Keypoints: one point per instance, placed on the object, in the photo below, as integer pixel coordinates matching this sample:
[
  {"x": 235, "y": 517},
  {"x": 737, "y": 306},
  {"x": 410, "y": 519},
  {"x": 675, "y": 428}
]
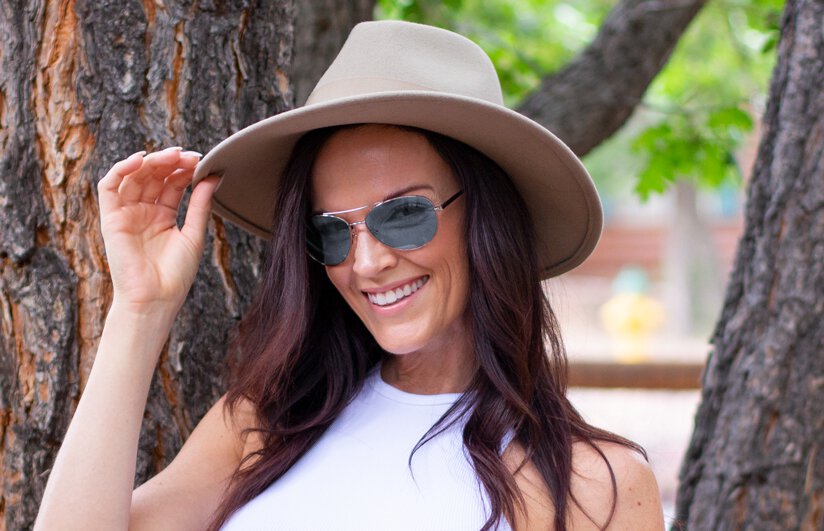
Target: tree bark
[
  {"x": 756, "y": 459},
  {"x": 321, "y": 27},
  {"x": 83, "y": 84},
  {"x": 590, "y": 98}
]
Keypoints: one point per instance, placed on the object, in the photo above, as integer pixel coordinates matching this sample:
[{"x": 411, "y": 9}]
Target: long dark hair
[{"x": 299, "y": 361}]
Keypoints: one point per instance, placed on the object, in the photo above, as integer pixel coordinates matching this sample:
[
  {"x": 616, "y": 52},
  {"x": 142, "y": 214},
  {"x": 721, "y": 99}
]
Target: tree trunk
[
  {"x": 83, "y": 84},
  {"x": 589, "y": 99},
  {"x": 321, "y": 27},
  {"x": 756, "y": 459}
]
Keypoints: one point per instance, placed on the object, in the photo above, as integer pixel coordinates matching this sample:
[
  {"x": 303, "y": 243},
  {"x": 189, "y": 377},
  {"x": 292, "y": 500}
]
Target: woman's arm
[
  {"x": 186, "y": 493},
  {"x": 90, "y": 484},
  {"x": 153, "y": 264}
]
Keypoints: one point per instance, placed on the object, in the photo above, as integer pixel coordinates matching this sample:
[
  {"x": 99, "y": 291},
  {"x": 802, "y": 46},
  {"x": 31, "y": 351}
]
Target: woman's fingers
[
  {"x": 197, "y": 215},
  {"x": 159, "y": 177},
  {"x": 157, "y": 164},
  {"x": 107, "y": 187},
  {"x": 173, "y": 188}
]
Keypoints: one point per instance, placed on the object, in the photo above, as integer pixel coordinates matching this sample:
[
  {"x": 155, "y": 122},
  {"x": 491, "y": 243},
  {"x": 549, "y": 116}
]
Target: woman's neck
[{"x": 428, "y": 372}]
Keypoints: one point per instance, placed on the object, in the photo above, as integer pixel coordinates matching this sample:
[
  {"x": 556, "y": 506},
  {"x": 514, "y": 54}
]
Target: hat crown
[{"x": 391, "y": 56}]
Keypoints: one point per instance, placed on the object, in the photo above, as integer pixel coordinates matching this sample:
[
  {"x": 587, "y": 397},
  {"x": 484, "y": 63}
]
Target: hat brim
[{"x": 555, "y": 186}]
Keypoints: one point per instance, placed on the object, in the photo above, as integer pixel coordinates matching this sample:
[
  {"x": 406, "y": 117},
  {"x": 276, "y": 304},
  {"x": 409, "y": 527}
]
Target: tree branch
[{"x": 591, "y": 97}]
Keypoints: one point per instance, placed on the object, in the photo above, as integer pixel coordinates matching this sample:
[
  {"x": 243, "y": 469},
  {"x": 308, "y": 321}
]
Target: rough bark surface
[
  {"x": 590, "y": 98},
  {"x": 82, "y": 84},
  {"x": 321, "y": 27},
  {"x": 756, "y": 459}
]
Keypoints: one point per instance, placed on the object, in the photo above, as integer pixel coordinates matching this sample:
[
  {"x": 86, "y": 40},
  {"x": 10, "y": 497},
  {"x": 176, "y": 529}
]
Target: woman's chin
[
  {"x": 394, "y": 335},
  {"x": 398, "y": 348}
]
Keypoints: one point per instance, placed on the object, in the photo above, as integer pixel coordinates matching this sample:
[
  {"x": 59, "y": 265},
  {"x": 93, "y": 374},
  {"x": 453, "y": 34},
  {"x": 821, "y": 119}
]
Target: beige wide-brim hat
[{"x": 393, "y": 72}]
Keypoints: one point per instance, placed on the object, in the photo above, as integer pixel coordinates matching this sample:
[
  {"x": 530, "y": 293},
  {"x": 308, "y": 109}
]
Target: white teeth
[{"x": 391, "y": 296}]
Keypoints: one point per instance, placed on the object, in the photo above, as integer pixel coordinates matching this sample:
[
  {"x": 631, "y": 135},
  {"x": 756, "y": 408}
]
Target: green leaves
[
  {"x": 699, "y": 145},
  {"x": 699, "y": 110},
  {"x": 729, "y": 119}
]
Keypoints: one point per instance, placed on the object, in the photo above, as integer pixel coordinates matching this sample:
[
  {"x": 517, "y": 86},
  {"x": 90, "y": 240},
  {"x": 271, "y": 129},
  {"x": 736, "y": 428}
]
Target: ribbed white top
[{"x": 356, "y": 477}]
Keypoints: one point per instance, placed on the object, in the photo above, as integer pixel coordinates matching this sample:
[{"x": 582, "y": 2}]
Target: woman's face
[{"x": 362, "y": 166}]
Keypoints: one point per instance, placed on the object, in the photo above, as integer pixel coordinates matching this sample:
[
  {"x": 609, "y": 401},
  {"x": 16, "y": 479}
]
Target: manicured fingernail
[
  {"x": 141, "y": 153},
  {"x": 178, "y": 148},
  {"x": 195, "y": 153}
]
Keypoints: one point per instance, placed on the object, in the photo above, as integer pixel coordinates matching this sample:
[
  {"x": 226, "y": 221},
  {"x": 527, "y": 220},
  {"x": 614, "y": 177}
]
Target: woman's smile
[{"x": 393, "y": 295}]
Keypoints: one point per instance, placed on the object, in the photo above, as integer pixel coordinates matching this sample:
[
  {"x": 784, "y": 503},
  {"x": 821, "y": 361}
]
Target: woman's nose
[{"x": 371, "y": 256}]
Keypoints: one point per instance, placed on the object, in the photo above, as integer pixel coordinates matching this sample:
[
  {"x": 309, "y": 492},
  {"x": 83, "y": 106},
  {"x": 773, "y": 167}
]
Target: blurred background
[{"x": 638, "y": 315}]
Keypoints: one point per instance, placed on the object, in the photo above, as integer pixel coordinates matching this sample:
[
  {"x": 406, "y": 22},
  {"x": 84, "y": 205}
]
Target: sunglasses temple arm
[{"x": 451, "y": 199}]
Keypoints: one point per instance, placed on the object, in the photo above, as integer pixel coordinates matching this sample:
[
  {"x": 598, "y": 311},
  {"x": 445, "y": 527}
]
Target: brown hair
[{"x": 300, "y": 354}]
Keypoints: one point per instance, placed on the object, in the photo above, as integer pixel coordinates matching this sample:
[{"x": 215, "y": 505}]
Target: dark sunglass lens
[
  {"x": 327, "y": 238},
  {"x": 404, "y": 223}
]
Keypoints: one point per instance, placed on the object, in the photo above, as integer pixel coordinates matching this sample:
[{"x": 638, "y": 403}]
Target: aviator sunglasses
[{"x": 403, "y": 223}]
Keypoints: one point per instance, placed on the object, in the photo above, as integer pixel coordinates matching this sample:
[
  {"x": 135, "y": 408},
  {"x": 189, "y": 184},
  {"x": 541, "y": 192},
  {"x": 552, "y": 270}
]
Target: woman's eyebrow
[{"x": 407, "y": 189}]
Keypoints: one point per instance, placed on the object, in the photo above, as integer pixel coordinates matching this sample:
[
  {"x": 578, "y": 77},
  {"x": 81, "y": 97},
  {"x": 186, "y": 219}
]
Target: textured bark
[
  {"x": 321, "y": 27},
  {"x": 83, "y": 84},
  {"x": 590, "y": 98},
  {"x": 756, "y": 459}
]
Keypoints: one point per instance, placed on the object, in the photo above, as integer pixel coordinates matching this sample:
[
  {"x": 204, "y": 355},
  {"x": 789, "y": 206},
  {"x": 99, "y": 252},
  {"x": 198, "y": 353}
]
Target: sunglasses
[{"x": 403, "y": 223}]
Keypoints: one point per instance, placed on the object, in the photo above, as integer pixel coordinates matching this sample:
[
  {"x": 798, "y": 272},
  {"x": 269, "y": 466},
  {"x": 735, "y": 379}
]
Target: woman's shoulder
[{"x": 638, "y": 504}]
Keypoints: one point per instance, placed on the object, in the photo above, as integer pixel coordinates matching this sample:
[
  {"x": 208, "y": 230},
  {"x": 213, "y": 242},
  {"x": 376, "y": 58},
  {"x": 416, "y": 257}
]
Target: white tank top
[{"x": 356, "y": 476}]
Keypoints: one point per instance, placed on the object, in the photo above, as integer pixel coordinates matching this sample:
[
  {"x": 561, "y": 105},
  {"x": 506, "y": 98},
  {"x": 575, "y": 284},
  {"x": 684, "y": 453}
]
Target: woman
[{"x": 394, "y": 371}]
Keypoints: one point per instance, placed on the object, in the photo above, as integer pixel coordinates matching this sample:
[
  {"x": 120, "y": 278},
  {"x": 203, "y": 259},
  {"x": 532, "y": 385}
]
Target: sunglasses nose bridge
[
  {"x": 369, "y": 255},
  {"x": 353, "y": 236},
  {"x": 352, "y": 226}
]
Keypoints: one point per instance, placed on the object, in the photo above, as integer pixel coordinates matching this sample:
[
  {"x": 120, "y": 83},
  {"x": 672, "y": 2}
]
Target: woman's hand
[{"x": 151, "y": 261}]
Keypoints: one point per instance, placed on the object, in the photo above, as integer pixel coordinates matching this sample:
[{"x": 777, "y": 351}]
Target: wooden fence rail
[{"x": 657, "y": 375}]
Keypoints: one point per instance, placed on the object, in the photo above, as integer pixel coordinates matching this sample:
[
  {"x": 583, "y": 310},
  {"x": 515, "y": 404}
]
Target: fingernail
[
  {"x": 141, "y": 153},
  {"x": 178, "y": 148},
  {"x": 195, "y": 153}
]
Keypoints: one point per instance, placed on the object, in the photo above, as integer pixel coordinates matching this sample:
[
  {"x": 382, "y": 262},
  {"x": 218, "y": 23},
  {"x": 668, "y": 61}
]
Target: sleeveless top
[{"x": 357, "y": 476}]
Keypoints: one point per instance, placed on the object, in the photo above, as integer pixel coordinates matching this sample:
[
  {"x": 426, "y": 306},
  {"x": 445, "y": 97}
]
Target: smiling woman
[
  {"x": 456, "y": 375},
  {"x": 370, "y": 164},
  {"x": 400, "y": 367}
]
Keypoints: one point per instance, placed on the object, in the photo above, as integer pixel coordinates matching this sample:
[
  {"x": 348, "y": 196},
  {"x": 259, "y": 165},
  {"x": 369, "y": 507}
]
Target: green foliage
[
  {"x": 679, "y": 147},
  {"x": 696, "y": 114},
  {"x": 700, "y": 108}
]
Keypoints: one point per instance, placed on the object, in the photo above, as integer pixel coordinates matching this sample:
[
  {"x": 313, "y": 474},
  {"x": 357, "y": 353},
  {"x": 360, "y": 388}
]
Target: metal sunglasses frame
[{"x": 435, "y": 208}]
